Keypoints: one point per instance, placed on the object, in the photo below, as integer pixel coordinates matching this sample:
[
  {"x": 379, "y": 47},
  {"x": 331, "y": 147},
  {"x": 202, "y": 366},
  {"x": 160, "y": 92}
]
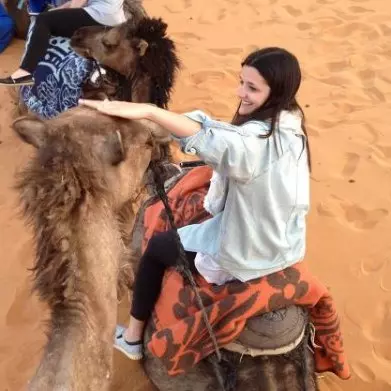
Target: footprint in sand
[
  {"x": 222, "y": 14},
  {"x": 354, "y": 313},
  {"x": 336, "y": 81},
  {"x": 367, "y": 76},
  {"x": 372, "y": 265},
  {"x": 323, "y": 209},
  {"x": 187, "y": 36},
  {"x": 187, "y": 3},
  {"x": 374, "y": 94},
  {"x": 208, "y": 76},
  {"x": 385, "y": 280},
  {"x": 377, "y": 264},
  {"x": 303, "y": 26},
  {"x": 352, "y": 214},
  {"x": 226, "y": 51},
  {"x": 378, "y": 329},
  {"x": 375, "y": 323},
  {"x": 363, "y": 371},
  {"x": 363, "y": 219},
  {"x": 350, "y": 167},
  {"x": 172, "y": 10},
  {"x": 386, "y": 30},
  {"x": 338, "y": 66},
  {"x": 382, "y": 351},
  {"x": 359, "y": 10},
  {"x": 324, "y": 124},
  {"x": 325, "y": 1},
  {"x": 295, "y": 12},
  {"x": 176, "y": 8},
  {"x": 326, "y": 22},
  {"x": 345, "y": 16},
  {"x": 374, "y": 133},
  {"x": 385, "y": 150},
  {"x": 350, "y": 29},
  {"x": 312, "y": 131},
  {"x": 384, "y": 75}
]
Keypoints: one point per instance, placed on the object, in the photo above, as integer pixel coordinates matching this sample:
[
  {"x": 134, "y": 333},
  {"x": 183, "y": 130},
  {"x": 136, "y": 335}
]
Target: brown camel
[
  {"x": 86, "y": 167},
  {"x": 128, "y": 54}
]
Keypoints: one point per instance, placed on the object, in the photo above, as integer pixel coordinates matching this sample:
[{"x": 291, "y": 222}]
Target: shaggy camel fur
[
  {"x": 86, "y": 167},
  {"x": 139, "y": 60}
]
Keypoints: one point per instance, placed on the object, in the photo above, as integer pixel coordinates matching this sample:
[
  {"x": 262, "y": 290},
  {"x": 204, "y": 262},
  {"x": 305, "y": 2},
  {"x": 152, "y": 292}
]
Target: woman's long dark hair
[{"x": 281, "y": 71}]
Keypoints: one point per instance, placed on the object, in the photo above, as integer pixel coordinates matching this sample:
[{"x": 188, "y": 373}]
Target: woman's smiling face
[{"x": 253, "y": 90}]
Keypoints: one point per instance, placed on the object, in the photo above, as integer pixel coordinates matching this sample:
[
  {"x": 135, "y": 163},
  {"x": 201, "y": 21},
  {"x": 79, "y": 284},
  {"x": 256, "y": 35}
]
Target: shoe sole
[
  {"x": 17, "y": 84},
  {"x": 134, "y": 357}
]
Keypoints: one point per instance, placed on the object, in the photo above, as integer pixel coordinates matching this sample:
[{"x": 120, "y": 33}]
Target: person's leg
[
  {"x": 63, "y": 23},
  {"x": 162, "y": 252}
]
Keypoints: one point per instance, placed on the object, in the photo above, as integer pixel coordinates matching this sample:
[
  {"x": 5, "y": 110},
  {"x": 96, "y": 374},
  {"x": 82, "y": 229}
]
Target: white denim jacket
[{"x": 262, "y": 228}]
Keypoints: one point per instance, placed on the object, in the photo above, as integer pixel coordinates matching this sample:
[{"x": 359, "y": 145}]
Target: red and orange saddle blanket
[{"x": 182, "y": 340}]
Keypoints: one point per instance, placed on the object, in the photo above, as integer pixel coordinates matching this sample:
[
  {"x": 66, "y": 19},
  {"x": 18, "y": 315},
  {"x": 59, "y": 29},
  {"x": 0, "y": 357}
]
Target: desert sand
[{"x": 344, "y": 49}]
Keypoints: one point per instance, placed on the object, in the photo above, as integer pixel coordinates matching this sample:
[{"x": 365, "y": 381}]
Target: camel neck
[{"x": 82, "y": 351}]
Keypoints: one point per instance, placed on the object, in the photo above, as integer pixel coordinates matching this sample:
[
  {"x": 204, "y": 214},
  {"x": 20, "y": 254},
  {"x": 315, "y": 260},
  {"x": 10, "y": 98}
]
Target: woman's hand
[
  {"x": 177, "y": 124},
  {"x": 126, "y": 110}
]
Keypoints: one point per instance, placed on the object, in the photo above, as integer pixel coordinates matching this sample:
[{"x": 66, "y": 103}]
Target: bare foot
[{"x": 20, "y": 73}]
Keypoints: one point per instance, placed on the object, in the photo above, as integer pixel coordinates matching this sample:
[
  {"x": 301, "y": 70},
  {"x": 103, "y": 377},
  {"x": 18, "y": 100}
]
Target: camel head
[
  {"x": 137, "y": 51},
  {"x": 84, "y": 163}
]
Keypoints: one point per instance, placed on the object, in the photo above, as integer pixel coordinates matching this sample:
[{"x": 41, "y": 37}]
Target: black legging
[
  {"x": 161, "y": 252},
  {"x": 61, "y": 23}
]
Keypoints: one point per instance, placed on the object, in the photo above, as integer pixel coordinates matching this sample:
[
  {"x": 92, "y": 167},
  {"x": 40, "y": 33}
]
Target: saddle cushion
[{"x": 274, "y": 330}]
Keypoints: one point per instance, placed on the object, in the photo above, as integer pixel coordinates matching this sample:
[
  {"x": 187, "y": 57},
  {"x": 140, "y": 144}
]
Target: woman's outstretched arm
[{"x": 179, "y": 125}]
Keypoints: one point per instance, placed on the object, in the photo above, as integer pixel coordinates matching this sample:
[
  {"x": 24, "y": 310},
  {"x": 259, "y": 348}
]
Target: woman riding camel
[
  {"x": 259, "y": 193},
  {"x": 63, "y": 22}
]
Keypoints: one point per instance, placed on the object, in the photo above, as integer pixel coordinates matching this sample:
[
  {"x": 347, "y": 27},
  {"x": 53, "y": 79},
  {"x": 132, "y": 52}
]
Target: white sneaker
[{"x": 132, "y": 350}]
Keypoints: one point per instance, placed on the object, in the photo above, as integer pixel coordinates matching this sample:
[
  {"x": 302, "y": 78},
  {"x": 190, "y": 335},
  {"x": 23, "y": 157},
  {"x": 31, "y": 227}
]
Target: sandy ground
[{"x": 344, "y": 49}]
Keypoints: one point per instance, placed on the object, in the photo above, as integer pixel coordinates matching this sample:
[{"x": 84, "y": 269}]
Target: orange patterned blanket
[{"x": 181, "y": 339}]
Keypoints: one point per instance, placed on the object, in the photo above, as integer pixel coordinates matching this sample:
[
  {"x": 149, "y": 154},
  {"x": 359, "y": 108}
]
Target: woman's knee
[{"x": 163, "y": 246}]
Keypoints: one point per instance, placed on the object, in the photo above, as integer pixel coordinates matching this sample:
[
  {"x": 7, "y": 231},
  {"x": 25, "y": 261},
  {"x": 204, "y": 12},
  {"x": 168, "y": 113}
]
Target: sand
[{"x": 344, "y": 49}]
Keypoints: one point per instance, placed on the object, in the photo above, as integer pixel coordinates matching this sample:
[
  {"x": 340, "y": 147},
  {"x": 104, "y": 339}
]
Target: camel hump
[{"x": 276, "y": 332}]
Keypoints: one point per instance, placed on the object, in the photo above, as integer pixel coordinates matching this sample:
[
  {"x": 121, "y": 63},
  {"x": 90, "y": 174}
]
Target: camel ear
[
  {"x": 113, "y": 149},
  {"x": 142, "y": 47},
  {"x": 31, "y": 130},
  {"x": 160, "y": 134}
]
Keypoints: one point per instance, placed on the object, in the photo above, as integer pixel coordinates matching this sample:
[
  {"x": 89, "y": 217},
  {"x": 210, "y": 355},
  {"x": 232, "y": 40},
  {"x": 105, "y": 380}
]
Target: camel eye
[{"x": 108, "y": 45}]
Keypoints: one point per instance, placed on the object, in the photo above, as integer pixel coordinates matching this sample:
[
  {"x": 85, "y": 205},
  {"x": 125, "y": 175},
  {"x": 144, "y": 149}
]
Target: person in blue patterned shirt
[{"x": 63, "y": 21}]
